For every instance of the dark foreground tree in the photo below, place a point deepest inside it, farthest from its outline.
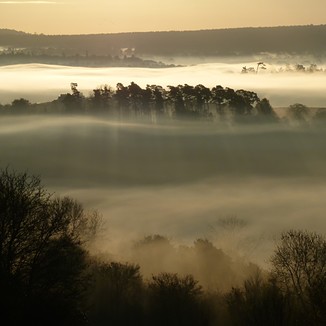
(299, 266)
(42, 258)
(259, 302)
(176, 300)
(116, 294)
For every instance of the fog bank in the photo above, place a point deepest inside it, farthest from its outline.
(178, 180)
(40, 83)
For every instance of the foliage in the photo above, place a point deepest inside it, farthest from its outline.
(259, 302)
(298, 112)
(115, 294)
(20, 105)
(41, 246)
(299, 266)
(47, 277)
(179, 102)
(175, 300)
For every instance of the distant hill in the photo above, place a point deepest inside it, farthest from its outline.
(220, 42)
(10, 32)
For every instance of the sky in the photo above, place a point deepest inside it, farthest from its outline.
(113, 16)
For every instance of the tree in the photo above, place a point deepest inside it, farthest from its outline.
(265, 110)
(176, 98)
(159, 97)
(122, 97)
(203, 96)
(298, 112)
(73, 103)
(259, 302)
(320, 115)
(175, 300)
(155, 253)
(42, 257)
(135, 97)
(239, 103)
(20, 105)
(299, 266)
(116, 294)
(100, 101)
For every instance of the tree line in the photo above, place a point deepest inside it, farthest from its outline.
(155, 102)
(54, 57)
(48, 276)
(219, 42)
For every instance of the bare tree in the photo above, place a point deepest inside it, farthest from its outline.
(299, 266)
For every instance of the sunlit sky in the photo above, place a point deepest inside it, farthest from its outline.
(112, 16)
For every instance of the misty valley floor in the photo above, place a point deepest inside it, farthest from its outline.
(178, 179)
(41, 83)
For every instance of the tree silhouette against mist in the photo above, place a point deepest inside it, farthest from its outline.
(42, 257)
(175, 300)
(74, 102)
(155, 102)
(299, 267)
(116, 294)
(101, 99)
(20, 106)
(259, 302)
(298, 112)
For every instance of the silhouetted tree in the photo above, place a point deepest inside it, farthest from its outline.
(135, 97)
(219, 99)
(265, 110)
(213, 267)
(122, 97)
(320, 115)
(41, 254)
(203, 97)
(258, 303)
(298, 112)
(100, 101)
(300, 68)
(159, 94)
(74, 102)
(175, 300)
(116, 294)
(175, 97)
(147, 100)
(241, 102)
(299, 266)
(20, 106)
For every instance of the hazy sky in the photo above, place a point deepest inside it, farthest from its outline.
(106, 16)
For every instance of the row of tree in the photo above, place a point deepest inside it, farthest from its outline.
(198, 102)
(47, 276)
(12, 57)
(312, 68)
(155, 102)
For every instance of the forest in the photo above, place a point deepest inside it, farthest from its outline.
(220, 42)
(51, 275)
(155, 103)
(48, 275)
(12, 57)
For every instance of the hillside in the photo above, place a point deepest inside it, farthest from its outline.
(239, 41)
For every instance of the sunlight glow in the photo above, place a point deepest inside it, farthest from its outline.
(27, 2)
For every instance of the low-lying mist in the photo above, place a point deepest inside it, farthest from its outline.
(238, 186)
(40, 83)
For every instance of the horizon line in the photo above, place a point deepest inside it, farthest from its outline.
(155, 31)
